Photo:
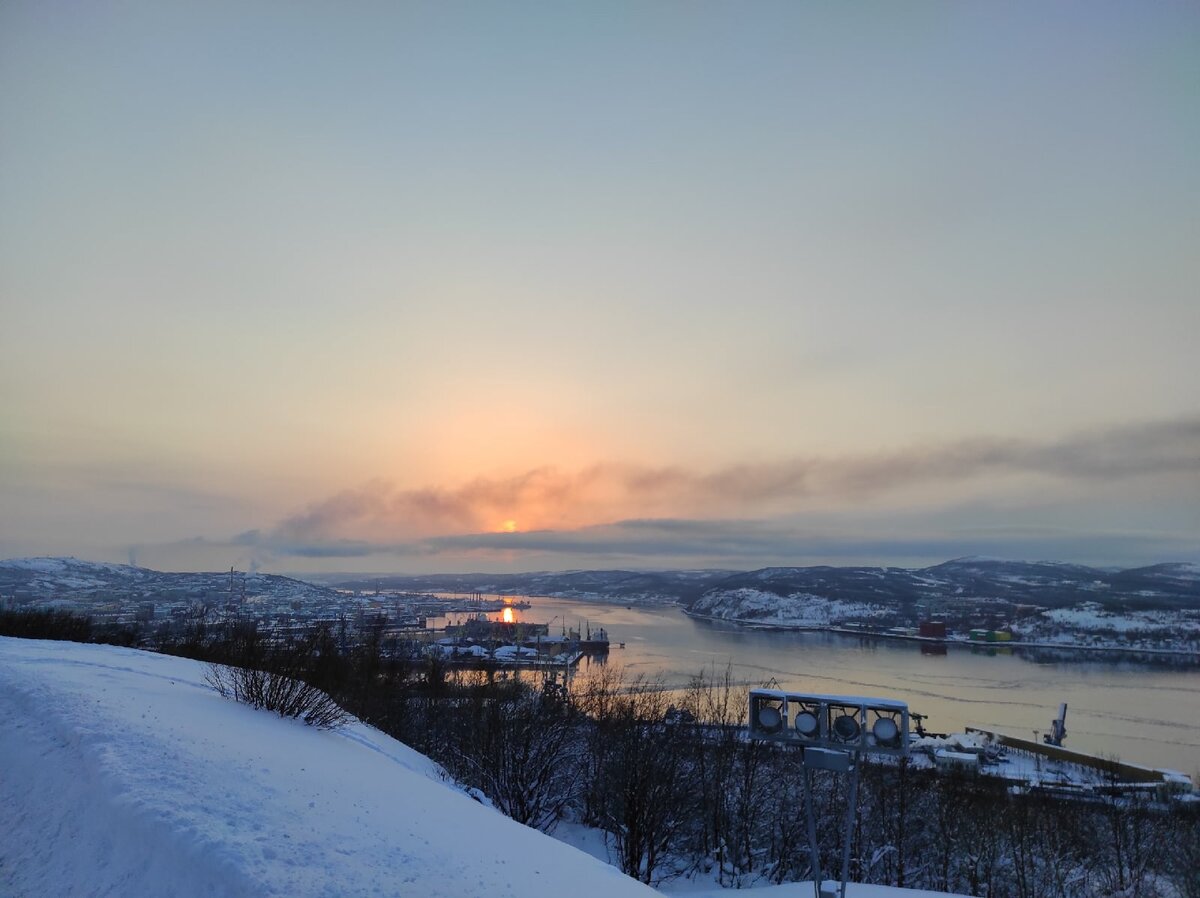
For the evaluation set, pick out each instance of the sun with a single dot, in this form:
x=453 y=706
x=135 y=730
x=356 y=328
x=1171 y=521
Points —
x=508 y=527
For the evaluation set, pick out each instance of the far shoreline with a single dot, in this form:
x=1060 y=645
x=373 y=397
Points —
x=948 y=641
x=749 y=624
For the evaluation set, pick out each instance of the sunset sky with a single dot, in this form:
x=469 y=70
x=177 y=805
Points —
x=447 y=286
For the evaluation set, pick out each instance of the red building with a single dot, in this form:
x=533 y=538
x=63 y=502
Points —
x=933 y=629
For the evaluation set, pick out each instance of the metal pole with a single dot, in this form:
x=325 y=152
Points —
x=812 y=833
x=849 y=834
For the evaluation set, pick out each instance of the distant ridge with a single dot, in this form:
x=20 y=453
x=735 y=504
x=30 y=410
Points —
x=1051 y=584
x=1047 y=583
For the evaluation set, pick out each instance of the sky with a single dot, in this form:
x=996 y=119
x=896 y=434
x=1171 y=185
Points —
x=423 y=287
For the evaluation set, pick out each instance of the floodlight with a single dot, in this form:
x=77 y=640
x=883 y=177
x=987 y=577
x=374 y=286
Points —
x=888 y=728
x=768 y=714
x=846 y=728
x=769 y=718
x=843 y=723
x=885 y=730
x=808 y=716
x=807 y=724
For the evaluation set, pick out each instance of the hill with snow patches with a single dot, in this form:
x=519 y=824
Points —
x=125 y=773
x=82 y=585
x=77 y=584
x=1169 y=586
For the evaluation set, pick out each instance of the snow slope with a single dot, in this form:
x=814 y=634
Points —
x=805 y=890
x=123 y=773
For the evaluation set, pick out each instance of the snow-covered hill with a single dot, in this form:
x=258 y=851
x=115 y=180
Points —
x=796 y=610
x=1046 y=584
x=85 y=585
x=124 y=773
x=716 y=592
x=643 y=587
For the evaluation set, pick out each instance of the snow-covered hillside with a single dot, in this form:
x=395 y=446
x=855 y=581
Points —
x=87 y=585
x=798 y=610
x=124 y=773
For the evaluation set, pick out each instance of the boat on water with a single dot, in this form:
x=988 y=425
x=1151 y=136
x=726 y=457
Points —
x=595 y=641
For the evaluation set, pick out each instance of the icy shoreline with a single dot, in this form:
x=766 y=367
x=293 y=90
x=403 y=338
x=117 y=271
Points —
x=751 y=623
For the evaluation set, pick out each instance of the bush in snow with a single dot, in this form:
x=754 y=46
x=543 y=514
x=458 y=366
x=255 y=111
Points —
x=65 y=625
x=275 y=679
x=287 y=696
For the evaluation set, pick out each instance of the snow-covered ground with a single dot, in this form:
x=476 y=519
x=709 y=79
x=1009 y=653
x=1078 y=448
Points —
x=700 y=886
x=1089 y=624
x=124 y=773
x=805 y=890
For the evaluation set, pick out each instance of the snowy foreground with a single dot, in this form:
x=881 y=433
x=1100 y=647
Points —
x=123 y=773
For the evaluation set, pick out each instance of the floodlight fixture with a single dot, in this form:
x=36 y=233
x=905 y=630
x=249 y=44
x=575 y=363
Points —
x=846 y=728
x=834 y=731
x=807 y=724
x=770 y=719
x=768 y=715
x=885 y=731
x=849 y=723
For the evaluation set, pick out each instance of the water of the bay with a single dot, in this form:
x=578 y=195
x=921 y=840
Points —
x=1141 y=713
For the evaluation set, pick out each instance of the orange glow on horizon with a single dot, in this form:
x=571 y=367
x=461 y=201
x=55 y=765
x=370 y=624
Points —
x=508 y=527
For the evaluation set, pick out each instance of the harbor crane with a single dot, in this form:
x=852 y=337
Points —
x=1058 y=728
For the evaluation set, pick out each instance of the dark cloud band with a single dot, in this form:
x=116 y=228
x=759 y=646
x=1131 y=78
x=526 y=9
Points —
x=380 y=513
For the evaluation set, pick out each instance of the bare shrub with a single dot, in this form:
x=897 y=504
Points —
x=521 y=751
x=45 y=624
x=275 y=691
x=1185 y=853
x=641 y=791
